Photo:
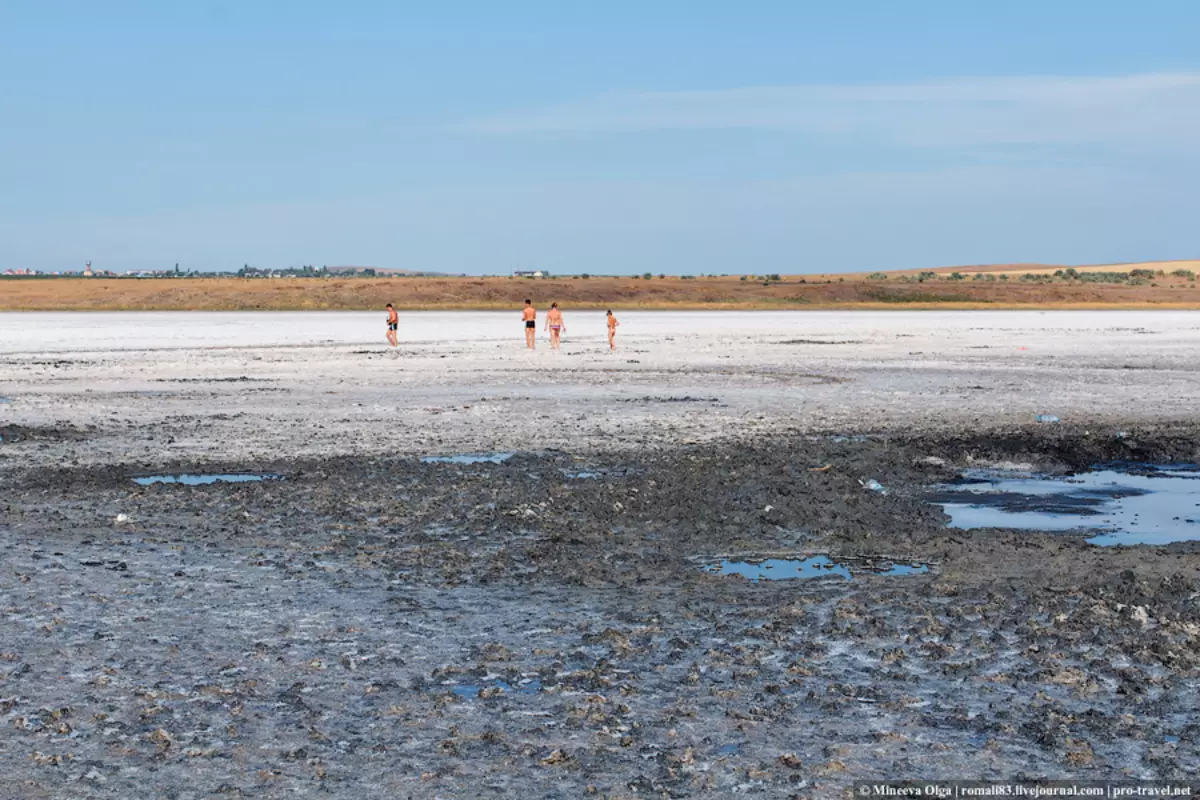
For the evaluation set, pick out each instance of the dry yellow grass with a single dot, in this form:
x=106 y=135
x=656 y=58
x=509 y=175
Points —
x=809 y=291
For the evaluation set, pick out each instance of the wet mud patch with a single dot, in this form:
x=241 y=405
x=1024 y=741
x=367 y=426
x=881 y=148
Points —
x=375 y=626
x=206 y=479
x=15 y=434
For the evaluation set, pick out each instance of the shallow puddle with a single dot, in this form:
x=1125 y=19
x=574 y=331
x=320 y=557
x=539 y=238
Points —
x=776 y=569
x=203 y=480
x=1124 y=504
x=469 y=458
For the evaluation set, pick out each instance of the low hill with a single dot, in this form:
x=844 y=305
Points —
x=1022 y=269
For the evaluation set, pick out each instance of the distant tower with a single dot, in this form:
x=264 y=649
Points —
x=87 y=271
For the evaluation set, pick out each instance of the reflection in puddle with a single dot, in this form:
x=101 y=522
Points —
x=468 y=458
x=202 y=480
x=1123 y=504
x=775 y=569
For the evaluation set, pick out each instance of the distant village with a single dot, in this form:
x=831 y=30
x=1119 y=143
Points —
x=247 y=271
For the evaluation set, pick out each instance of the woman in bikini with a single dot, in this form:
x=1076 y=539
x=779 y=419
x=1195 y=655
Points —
x=554 y=321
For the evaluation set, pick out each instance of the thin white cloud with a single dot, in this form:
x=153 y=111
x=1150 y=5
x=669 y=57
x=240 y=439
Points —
x=1134 y=110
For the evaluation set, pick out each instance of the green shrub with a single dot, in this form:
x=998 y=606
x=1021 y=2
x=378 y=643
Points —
x=877 y=276
x=1104 y=277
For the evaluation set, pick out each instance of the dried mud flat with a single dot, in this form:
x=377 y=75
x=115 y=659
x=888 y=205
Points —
x=372 y=625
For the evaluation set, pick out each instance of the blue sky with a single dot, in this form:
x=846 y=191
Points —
x=617 y=137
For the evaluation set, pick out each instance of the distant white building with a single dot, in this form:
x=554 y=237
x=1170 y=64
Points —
x=529 y=274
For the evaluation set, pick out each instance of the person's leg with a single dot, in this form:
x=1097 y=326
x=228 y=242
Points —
x=391 y=337
x=612 y=335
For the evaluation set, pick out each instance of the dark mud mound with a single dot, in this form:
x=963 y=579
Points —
x=15 y=434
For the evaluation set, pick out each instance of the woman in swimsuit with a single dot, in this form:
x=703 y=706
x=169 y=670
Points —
x=554 y=321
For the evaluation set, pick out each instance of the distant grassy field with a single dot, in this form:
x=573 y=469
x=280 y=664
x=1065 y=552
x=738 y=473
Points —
x=901 y=289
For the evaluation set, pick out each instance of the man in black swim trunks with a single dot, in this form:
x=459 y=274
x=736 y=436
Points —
x=393 y=324
x=530 y=317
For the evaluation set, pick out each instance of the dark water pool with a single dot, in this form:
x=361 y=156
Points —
x=1121 y=503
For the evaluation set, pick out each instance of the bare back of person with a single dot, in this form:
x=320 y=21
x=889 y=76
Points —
x=556 y=326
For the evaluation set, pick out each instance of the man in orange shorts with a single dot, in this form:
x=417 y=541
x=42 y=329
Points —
x=529 y=315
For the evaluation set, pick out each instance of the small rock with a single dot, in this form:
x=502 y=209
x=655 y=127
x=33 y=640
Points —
x=556 y=757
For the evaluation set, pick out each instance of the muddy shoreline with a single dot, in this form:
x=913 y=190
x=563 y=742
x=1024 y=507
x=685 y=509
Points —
x=379 y=626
